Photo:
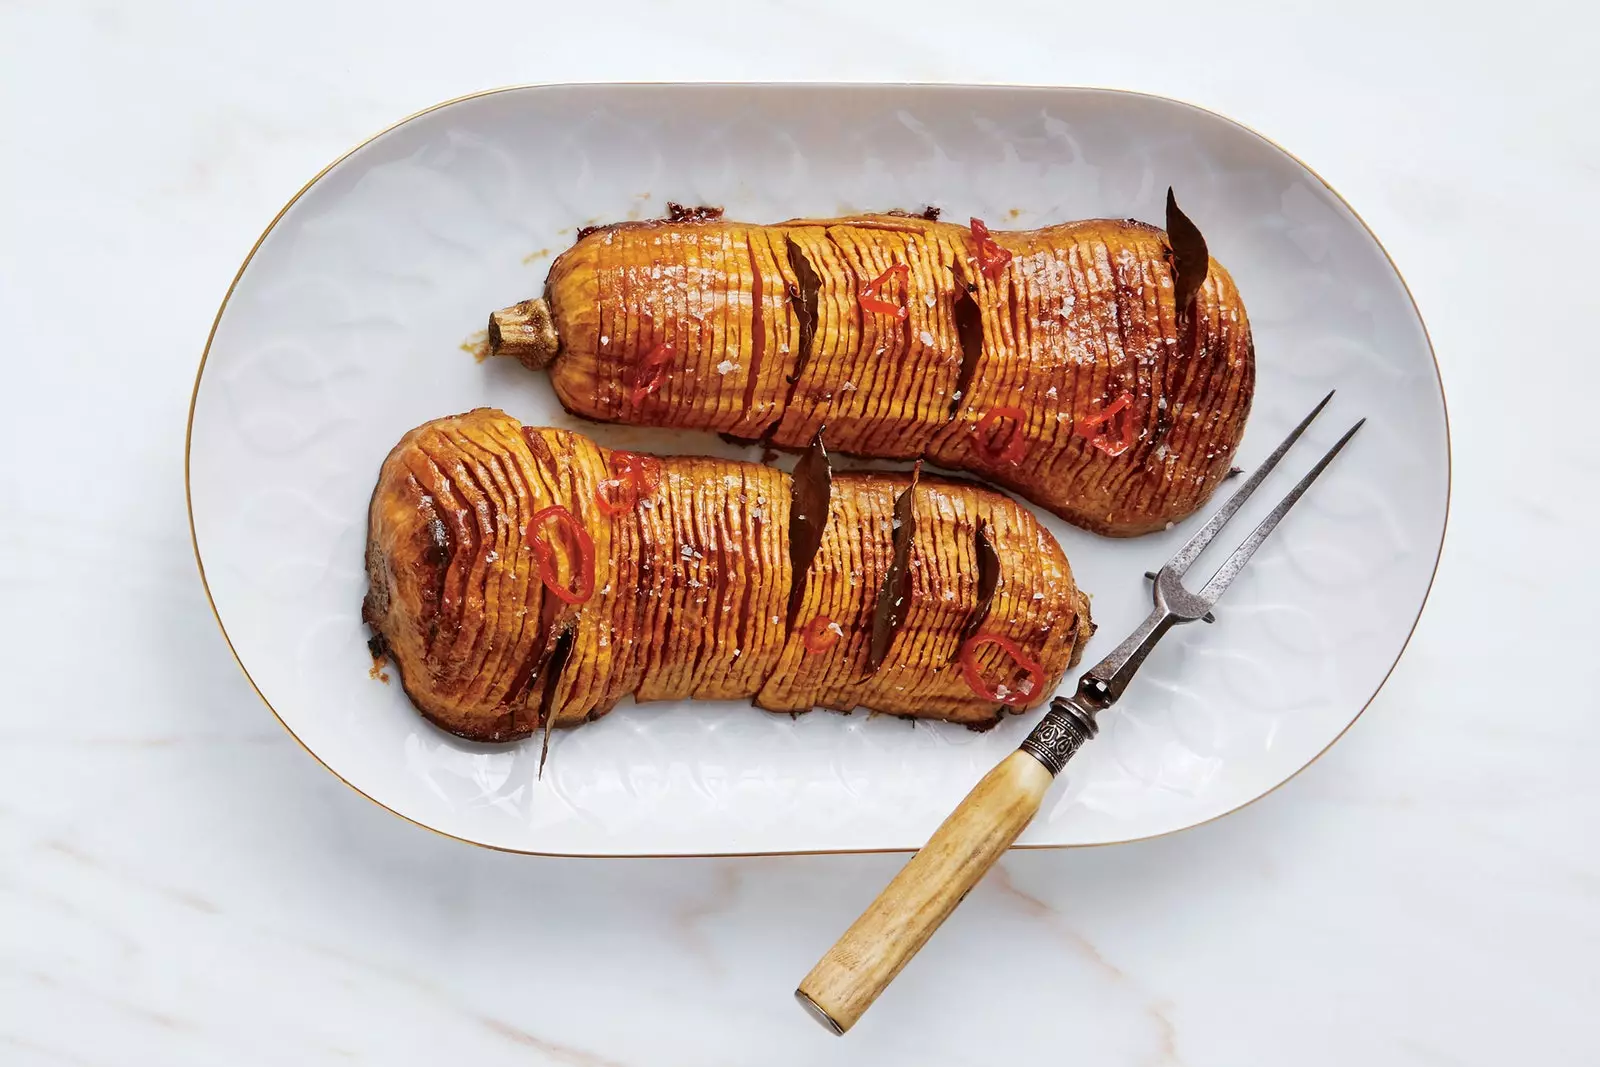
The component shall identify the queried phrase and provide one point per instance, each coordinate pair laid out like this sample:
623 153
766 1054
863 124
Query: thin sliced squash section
524 578
909 339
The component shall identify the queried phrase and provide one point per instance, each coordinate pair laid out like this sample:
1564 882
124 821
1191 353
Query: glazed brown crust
1082 313
691 587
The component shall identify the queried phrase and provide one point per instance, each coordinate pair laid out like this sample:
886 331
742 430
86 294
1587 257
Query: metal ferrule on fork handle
1059 735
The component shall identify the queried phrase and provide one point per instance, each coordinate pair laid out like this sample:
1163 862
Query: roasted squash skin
691 586
763 332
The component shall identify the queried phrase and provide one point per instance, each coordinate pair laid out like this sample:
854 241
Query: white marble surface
181 884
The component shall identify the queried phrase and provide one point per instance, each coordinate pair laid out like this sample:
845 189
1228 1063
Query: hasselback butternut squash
520 577
1060 362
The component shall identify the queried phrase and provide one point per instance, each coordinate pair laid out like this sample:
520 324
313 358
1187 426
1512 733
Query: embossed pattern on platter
345 330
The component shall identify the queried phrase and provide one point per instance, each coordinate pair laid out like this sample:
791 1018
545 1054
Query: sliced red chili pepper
1002 445
973 674
992 259
651 372
871 301
1094 427
820 634
644 471
613 496
634 478
582 565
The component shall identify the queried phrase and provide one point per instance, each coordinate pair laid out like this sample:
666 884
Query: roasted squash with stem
1102 369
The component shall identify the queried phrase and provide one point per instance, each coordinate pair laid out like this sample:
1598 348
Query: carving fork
846 981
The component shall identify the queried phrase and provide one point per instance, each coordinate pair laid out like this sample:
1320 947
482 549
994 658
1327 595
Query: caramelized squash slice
680 587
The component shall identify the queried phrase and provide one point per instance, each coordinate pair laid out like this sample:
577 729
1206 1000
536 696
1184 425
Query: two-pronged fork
846 981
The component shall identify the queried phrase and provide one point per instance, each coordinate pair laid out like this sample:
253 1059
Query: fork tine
1240 556
1182 559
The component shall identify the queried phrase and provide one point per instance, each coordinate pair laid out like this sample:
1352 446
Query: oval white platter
346 327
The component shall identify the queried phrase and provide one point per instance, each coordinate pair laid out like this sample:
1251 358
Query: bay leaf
811 489
894 594
1190 259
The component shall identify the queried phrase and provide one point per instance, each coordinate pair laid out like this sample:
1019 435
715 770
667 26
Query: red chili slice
999 691
613 496
583 564
1002 445
644 471
820 634
992 259
871 301
1094 426
651 372
634 478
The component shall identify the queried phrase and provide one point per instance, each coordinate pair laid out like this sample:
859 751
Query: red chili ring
1014 446
644 471
651 372
992 259
1095 425
974 677
613 496
633 478
583 567
871 301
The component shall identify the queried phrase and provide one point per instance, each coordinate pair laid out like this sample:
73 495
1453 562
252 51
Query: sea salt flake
727 365
926 338
1001 692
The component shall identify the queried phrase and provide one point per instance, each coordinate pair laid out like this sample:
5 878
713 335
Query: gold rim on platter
194 396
